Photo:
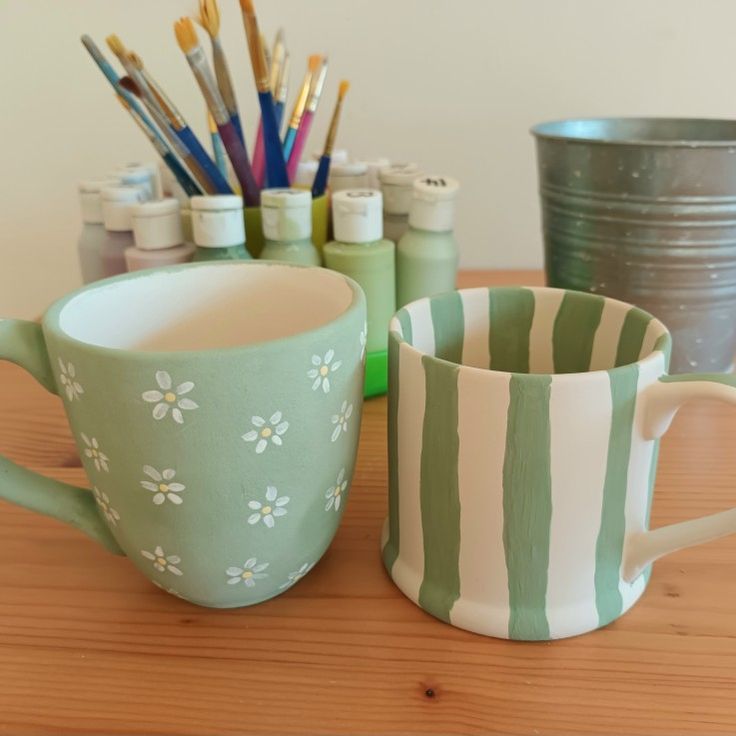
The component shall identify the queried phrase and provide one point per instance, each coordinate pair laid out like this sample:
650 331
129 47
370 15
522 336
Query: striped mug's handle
663 400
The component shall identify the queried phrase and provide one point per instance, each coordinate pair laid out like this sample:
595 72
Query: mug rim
51 324
645 361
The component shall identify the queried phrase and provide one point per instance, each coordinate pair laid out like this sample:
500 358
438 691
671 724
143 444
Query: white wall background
452 84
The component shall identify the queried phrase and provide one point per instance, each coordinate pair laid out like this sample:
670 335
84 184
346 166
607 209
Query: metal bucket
644 210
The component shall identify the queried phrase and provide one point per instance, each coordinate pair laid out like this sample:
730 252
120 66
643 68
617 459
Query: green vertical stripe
527 504
405 322
574 330
511 311
391 550
439 490
631 337
448 325
609 547
664 343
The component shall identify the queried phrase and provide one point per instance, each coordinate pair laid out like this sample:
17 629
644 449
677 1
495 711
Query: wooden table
87 645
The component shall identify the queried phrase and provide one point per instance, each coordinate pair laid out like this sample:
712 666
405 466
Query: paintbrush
154 97
275 163
217 149
299 105
179 147
295 156
323 171
209 17
186 182
186 35
282 90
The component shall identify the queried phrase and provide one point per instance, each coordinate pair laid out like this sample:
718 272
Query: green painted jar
286 217
427 255
218 228
216 409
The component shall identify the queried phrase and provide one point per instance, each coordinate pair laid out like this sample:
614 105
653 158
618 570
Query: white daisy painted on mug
323 367
267 432
163 562
162 485
170 398
95 454
295 576
335 494
68 379
341 420
269 511
251 571
103 501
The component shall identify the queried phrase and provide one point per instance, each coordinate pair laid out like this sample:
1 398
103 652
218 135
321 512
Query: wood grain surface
88 646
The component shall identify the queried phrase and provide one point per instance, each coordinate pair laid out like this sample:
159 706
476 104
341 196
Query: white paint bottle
286 218
375 167
117 204
158 235
93 233
396 187
353 175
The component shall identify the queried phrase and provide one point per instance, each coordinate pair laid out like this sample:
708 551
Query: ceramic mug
523 438
216 408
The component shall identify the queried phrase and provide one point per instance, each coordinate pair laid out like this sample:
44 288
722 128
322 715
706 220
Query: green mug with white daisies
216 408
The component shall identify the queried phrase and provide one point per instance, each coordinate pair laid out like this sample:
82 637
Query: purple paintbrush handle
241 165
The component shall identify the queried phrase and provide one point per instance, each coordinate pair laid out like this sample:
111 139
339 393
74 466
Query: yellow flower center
161 561
338 491
170 396
94 452
266 432
324 370
266 510
163 487
246 574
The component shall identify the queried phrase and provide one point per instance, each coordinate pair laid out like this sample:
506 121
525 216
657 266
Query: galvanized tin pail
644 210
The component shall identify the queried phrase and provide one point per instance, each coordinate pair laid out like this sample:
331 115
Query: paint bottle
286 218
338 156
396 186
117 204
139 175
305 173
360 251
93 233
427 255
375 166
353 175
158 234
218 228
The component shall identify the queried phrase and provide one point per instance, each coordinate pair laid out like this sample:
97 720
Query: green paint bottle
286 218
427 255
218 228
360 251
396 187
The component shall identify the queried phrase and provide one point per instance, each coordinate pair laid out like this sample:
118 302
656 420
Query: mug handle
22 343
663 400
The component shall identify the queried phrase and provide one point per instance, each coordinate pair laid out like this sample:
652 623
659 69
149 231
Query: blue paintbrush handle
208 165
320 178
185 181
289 139
276 175
278 112
235 120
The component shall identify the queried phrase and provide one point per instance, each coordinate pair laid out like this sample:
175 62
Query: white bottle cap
218 220
305 173
375 166
348 176
338 156
433 203
90 199
137 259
117 203
157 225
357 215
141 176
396 185
286 214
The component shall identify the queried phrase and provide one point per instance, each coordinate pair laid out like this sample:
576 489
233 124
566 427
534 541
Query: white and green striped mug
523 438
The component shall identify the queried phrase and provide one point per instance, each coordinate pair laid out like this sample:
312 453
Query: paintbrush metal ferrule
198 62
317 87
282 88
222 74
277 63
301 102
168 107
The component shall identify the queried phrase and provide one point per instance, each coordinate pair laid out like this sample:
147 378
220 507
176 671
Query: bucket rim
553 130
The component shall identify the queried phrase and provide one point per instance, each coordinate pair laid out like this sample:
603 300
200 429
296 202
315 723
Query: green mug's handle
22 343
663 399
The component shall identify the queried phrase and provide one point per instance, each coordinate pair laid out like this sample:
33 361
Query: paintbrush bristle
130 85
343 90
115 45
135 60
186 34
209 17
314 61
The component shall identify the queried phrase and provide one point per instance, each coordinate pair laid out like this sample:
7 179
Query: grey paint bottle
159 236
396 187
117 205
93 234
427 255
286 218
